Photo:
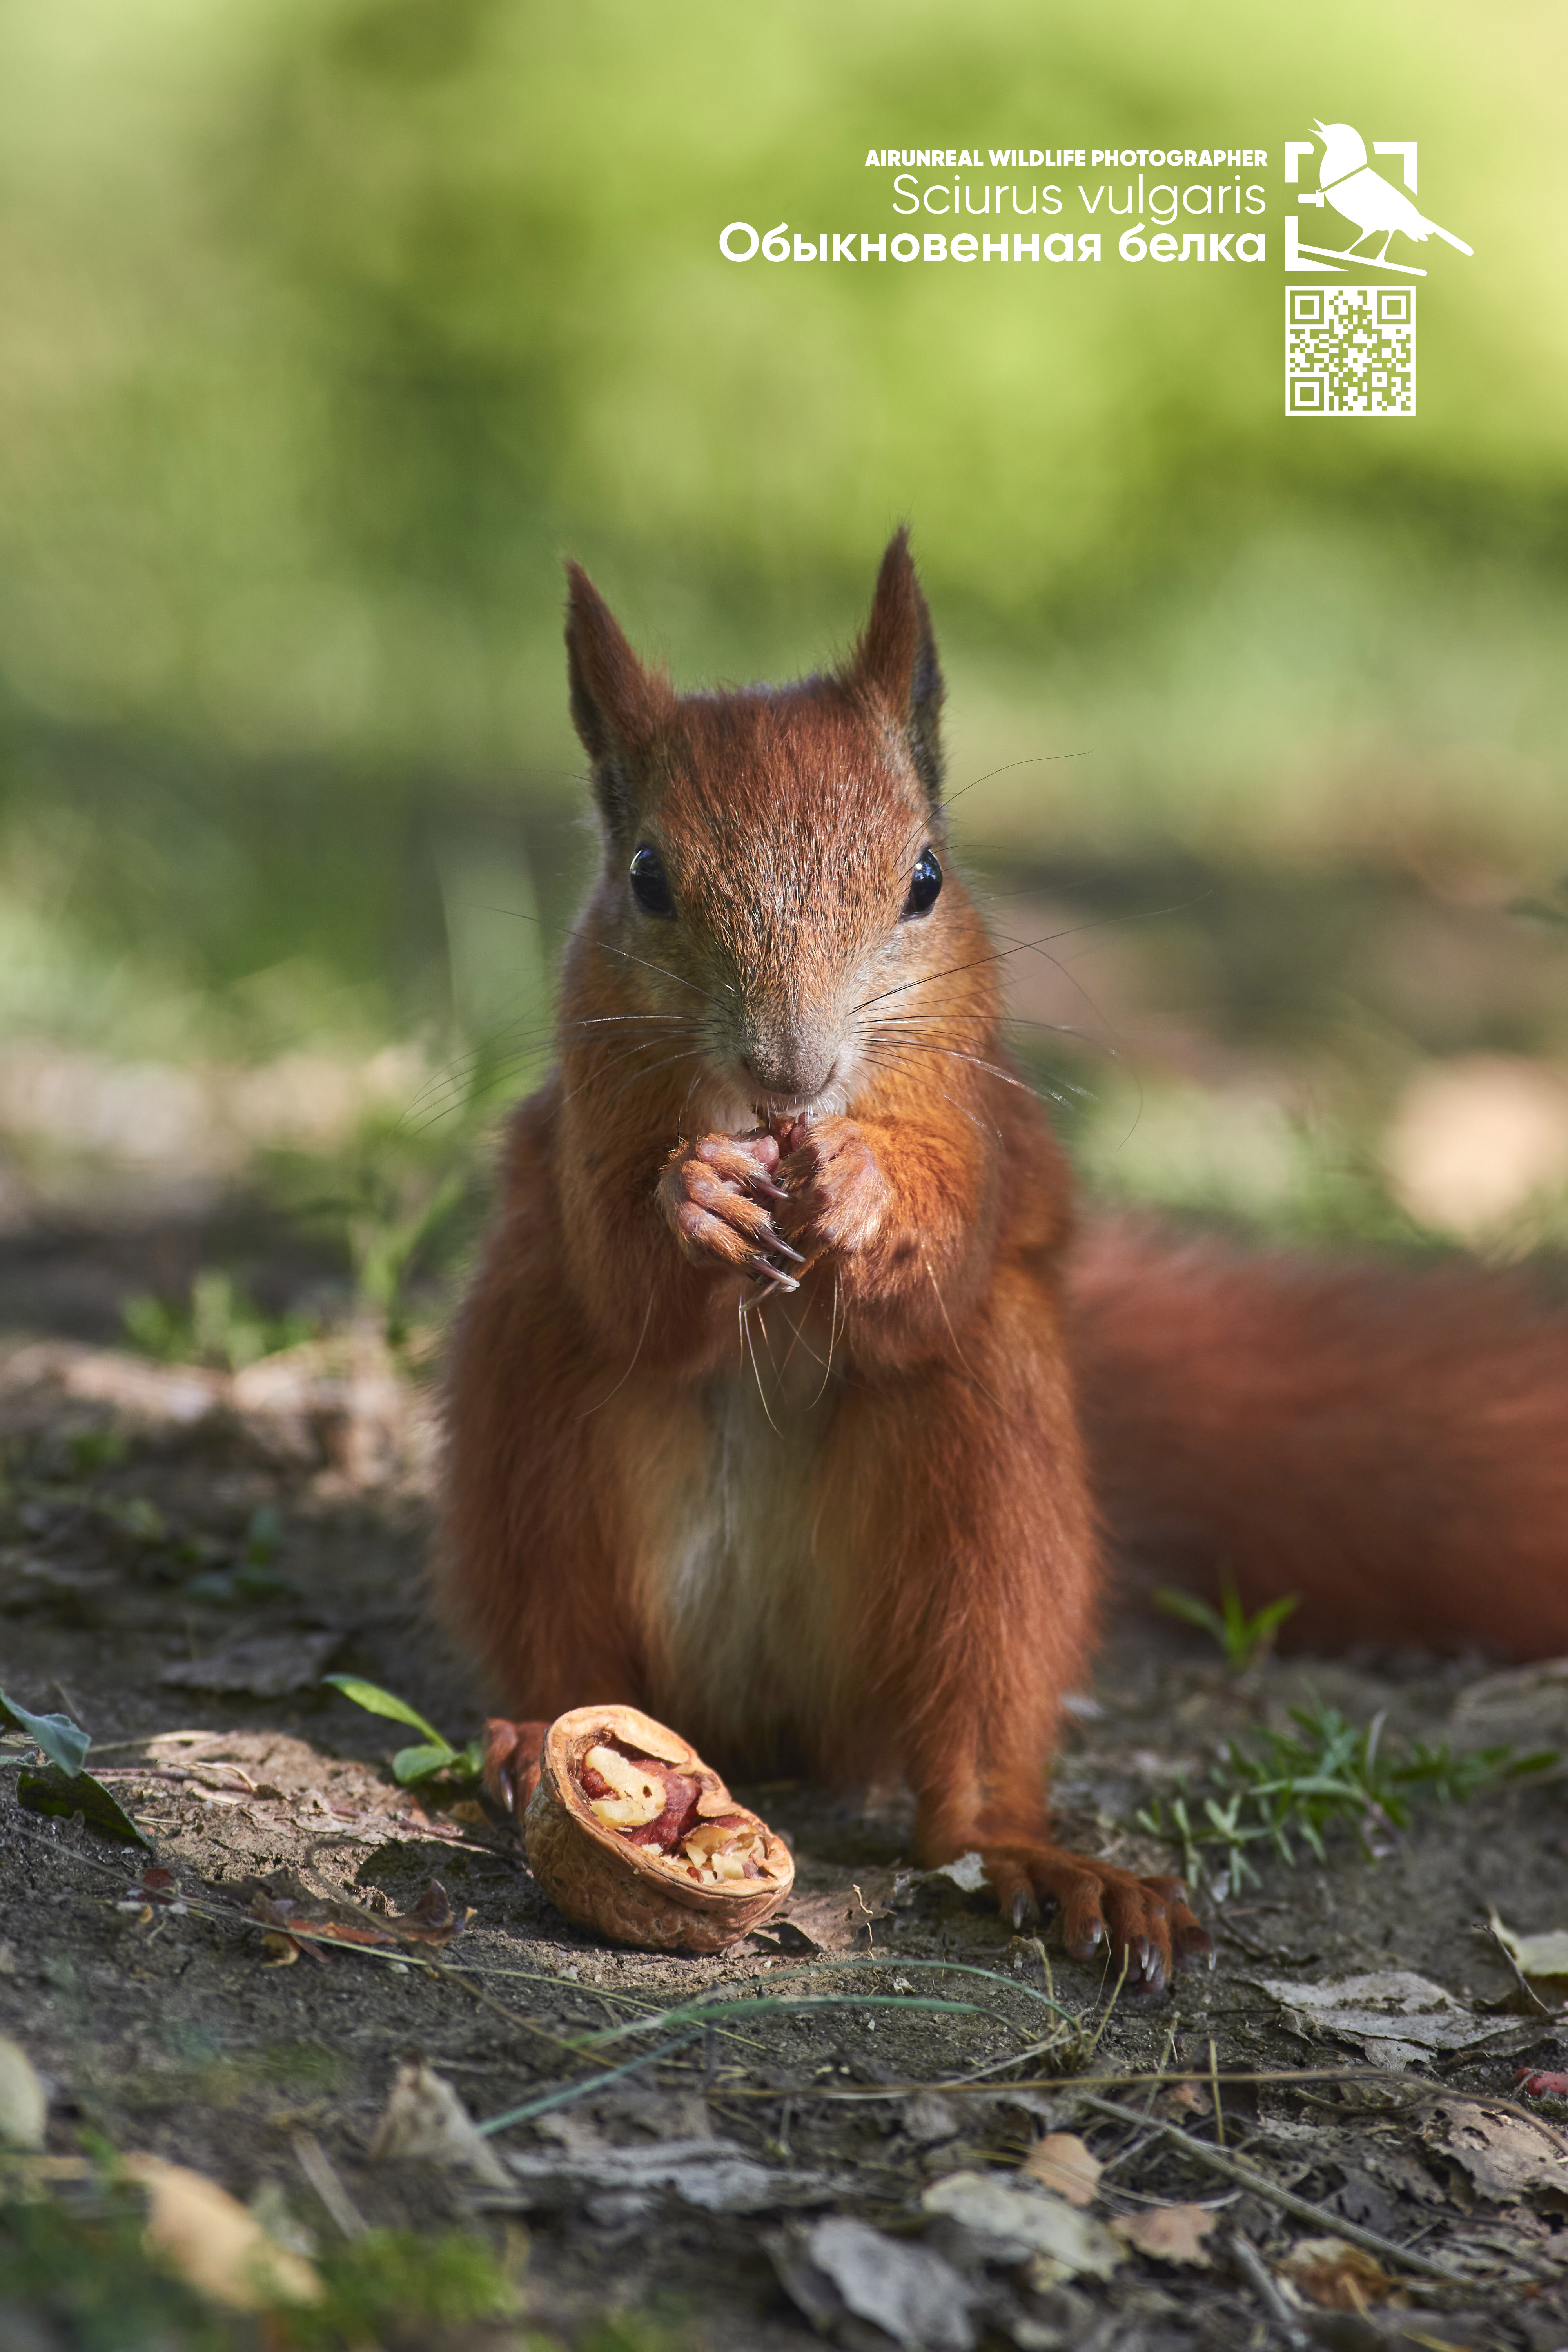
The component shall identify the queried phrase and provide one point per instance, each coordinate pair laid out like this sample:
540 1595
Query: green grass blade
377 1701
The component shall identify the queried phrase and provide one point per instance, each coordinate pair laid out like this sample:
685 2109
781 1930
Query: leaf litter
925 2128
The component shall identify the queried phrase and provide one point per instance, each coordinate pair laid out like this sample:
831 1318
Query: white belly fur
750 1643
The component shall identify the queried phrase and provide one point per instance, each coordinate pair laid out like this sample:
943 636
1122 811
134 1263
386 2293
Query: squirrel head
773 881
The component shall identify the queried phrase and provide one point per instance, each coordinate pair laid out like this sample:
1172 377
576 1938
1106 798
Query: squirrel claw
1140 1930
773 1279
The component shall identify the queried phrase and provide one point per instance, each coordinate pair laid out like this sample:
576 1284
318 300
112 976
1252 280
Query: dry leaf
299 1927
424 2117
216 2245
1533 1955
1005 2222
1169 2233
24 2108
1505 2156
713 2175
909 2295
1060 2161
1335 2275
1397 2017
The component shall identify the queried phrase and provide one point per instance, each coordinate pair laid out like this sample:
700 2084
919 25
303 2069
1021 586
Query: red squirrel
786 1402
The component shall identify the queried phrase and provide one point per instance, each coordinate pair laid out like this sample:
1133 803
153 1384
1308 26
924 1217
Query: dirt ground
793 2174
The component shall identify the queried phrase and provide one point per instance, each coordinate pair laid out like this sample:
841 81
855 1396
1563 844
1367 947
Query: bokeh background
328 327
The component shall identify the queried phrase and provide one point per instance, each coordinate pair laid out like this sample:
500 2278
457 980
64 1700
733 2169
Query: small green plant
394 1225
434 1754
1243 1640
221 1326
251 1576
394 2287
1287 1787
63 1740
61 1786
83 2273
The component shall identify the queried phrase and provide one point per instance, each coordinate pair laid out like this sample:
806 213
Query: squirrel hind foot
1143 1925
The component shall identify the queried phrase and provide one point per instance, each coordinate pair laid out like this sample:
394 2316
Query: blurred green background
329 327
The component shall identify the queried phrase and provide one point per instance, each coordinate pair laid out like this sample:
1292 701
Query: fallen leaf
1337 2276
432 1915
1533 1955
271 1666
967 1873
294 1924
928 2118
713 2175
1169 2233
833 1923
1397 2016
784 1936
1504 2156
23 2108
220 2249
1060 2161
1004 2222
424 2118
1184 2097
910 2294
62 1794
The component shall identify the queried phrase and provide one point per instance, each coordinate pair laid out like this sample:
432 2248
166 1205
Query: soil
175 2016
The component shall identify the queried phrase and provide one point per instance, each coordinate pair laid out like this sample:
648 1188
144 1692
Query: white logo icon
1373 205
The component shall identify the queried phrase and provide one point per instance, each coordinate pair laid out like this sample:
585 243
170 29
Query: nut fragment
625 1794
724 1850
630 1832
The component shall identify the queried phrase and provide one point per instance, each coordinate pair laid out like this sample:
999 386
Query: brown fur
761 1414
1391 1447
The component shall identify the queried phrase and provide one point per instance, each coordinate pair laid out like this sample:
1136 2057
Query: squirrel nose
794 1067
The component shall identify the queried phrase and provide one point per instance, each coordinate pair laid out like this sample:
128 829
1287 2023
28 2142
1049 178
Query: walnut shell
633 1894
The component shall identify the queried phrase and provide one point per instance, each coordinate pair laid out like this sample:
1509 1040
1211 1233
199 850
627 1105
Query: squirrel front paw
715 1194
839 1198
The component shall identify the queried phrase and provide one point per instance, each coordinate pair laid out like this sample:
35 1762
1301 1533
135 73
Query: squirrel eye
650 887
924 885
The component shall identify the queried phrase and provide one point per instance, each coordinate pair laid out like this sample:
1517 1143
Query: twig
1261 2279
1538 2008
322 2173
1214 2083
1331 2225
1383 2078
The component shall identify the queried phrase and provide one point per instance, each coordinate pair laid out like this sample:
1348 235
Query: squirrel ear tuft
897 658
617 705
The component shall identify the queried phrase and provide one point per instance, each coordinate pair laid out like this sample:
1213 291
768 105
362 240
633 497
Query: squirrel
788 1401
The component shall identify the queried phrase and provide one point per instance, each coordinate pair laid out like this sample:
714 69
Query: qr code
1350 350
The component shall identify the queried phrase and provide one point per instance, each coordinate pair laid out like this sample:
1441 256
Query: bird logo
1372 203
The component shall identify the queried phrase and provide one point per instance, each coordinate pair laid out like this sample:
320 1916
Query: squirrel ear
897 658
616 704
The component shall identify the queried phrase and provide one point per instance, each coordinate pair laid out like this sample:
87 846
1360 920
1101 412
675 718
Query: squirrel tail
1391 1446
